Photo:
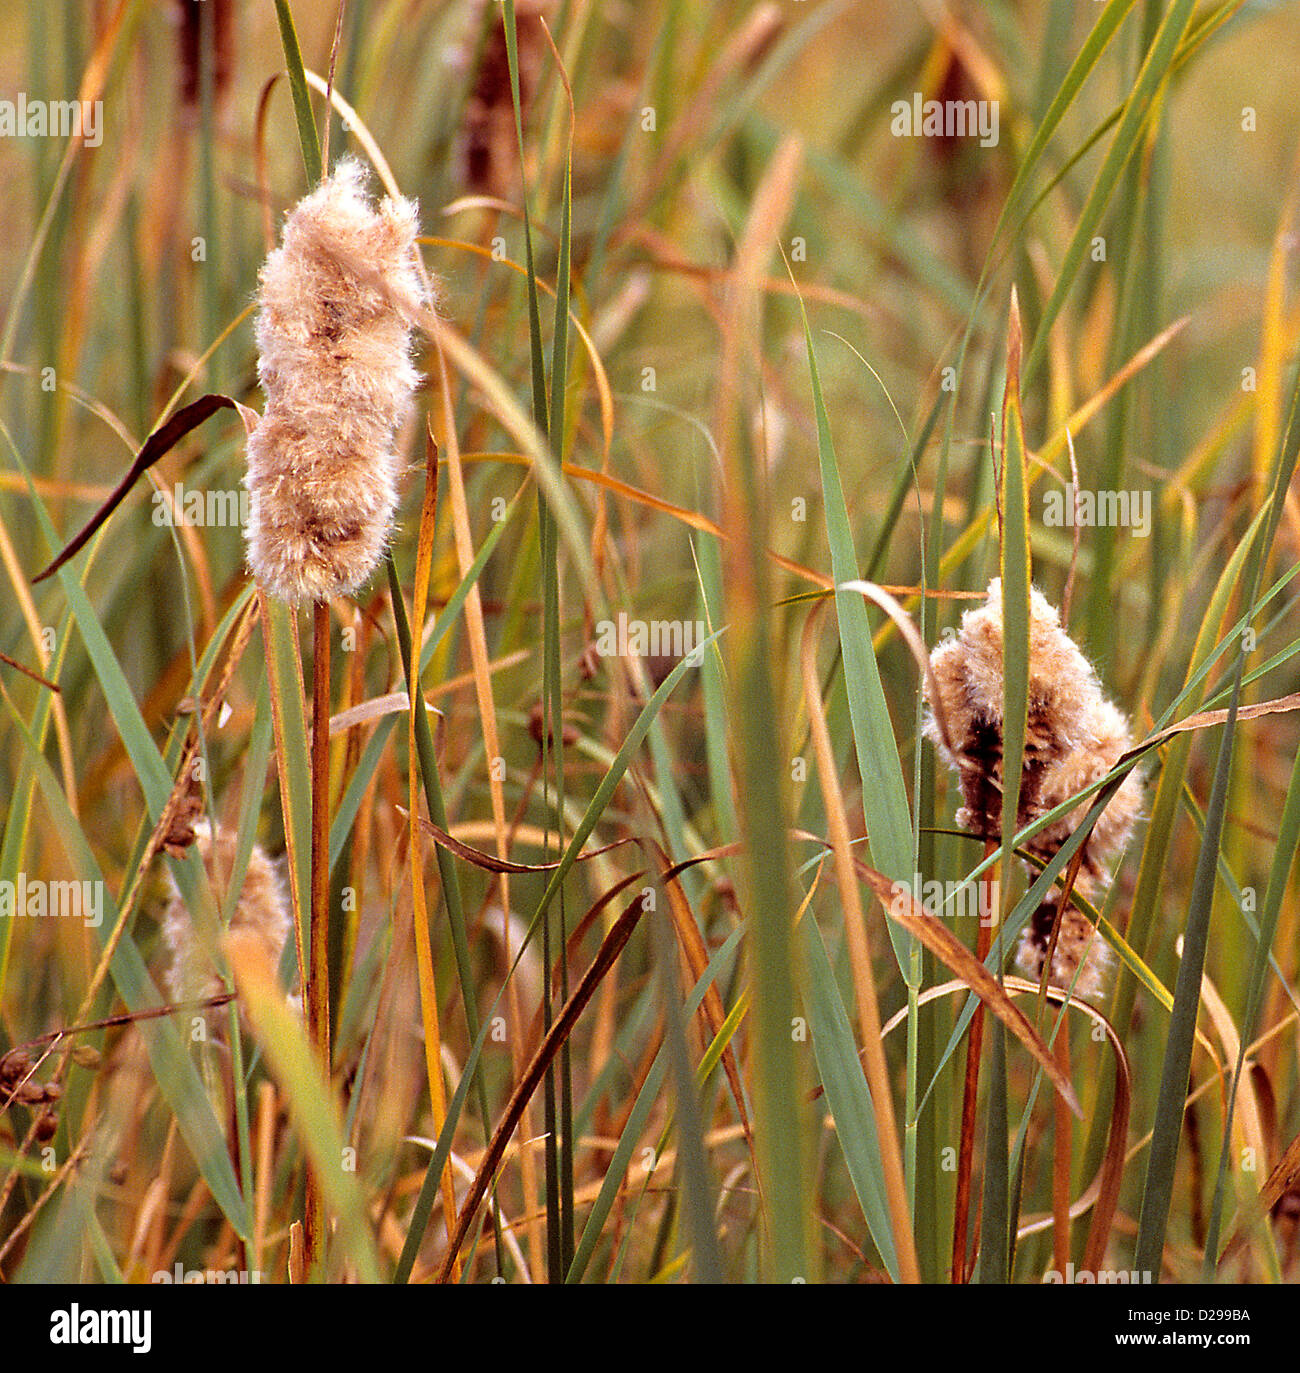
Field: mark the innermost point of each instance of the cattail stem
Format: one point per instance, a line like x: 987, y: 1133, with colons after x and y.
x: 1063, y: 1133
x: 317, y: 978
x: 970, y: 1094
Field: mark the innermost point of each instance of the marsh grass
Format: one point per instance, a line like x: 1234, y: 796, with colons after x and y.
x: 615, y: 989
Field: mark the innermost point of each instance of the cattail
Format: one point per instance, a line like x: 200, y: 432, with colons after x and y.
x: 334, y: 342
x: 968, y: 673
x: 191, y: 14
x: 488, y: 146
x: 1074, y: 737
x: 261, y: 915
x: 1106, y: 737
x: 1082, y: 960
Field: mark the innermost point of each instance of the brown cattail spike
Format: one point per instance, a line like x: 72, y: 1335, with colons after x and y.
x: 334, y: 339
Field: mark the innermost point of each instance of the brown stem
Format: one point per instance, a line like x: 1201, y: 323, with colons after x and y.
x: 318, y: 986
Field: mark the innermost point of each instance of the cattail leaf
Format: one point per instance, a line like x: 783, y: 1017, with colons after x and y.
x: 427, y: 763
x: 1016, y: 581
x: 1284, y: 857
x: 18, y: 819
x: 995, y: 1213
x: 901, y: 906
x: 884, y: 793
x: 609, y: 783
x: 310, y: 1101
x: 442, y: 1146
x: 700, y: 1193
x: 416, y: 717
x: 1139, y: 109
x: 55, y: 1253
x: 429, y: 1188
x: 1245, y: 1125
x: 559, y: 1226
x: 694, y: 950
x: 363, y: 774
x: 161, y: 441
x: 1098, y: 39
x: 633, y: 1131
x: 708, y: 562
x: 1199, y: 31
x: 847, y: 1096
x: 155, y: 781
x: 1157, y: 1192
x: 698, y: 1206
x: 611, y: 947
x: 292, y: 752
x: 553, y: 749
x: 875, y: 1065
x: 1111, y: 1175
x: 308, y: 139
x: 965, y: 543
x: 997, y: 1223
x: 1158, y: 840
x: 151, y: 771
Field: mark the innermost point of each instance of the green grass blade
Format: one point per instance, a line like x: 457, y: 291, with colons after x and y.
x: 1138, y: 110
x: 847, y: 1094
x: 633, y: 1131
x: 884, y: 793
x: 1284, y: 857
x: 427, y: 761
x: 313, y: 1111
x: 1157, y: 1191
x: 997, y: 1220
x: 308, y: 139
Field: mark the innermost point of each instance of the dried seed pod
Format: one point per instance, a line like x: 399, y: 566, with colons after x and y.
x: 86, y: 1056
x: 52, y: 1092
x: 15, y: 1064
x: 568, y: 732
x: 47, y: 1126
x: 334, y: 360
x: 188, y: 811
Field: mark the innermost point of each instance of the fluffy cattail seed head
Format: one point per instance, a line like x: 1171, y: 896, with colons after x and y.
x: 968, y: 675
x: 1104, y: 738
x: 1068, y: 722
x: 1080, y: 951
x: 260, y: 914
x: 1074, y: 737
x: 334, y: 340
